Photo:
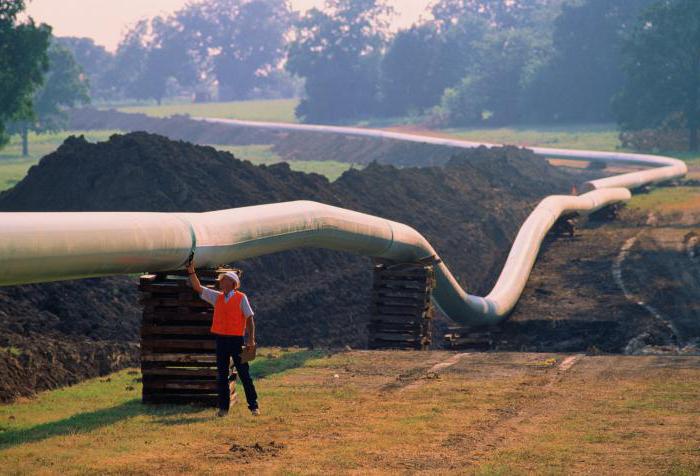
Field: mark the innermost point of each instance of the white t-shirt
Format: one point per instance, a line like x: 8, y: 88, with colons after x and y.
x: 211, y: 295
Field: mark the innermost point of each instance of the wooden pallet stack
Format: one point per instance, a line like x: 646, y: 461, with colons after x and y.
x: 178, y: 360
x: 467, y: 338
x: 402, y: 311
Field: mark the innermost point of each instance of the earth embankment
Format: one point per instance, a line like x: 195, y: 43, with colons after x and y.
x: 470, y: 210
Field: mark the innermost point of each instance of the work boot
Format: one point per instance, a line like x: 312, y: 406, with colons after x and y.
x: 222, y: 413
x: 255, y: 411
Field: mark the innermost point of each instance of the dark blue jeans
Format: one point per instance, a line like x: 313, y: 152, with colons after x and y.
x: 229, y: 347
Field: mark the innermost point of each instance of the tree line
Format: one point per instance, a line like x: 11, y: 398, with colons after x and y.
x: 471, y: 63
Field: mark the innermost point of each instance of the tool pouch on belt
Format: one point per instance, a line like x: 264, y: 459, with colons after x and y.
x: 247, y: 355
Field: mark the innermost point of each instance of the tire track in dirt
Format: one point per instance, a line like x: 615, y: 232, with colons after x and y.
x: 617, y: 272
x: 617, y: 275
x: 434, y: 371
x: 658, y: 272
x: 494, y: 434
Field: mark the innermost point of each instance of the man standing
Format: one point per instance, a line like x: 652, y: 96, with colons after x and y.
x: 232, y: 316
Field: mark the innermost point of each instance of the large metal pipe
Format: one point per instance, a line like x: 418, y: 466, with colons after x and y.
x: 665, y: 168
x: 39, y: 247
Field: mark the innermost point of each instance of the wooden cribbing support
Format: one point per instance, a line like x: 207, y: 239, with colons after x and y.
x: 468, y: 338
x: 178, y: 360
x: 402, y: 311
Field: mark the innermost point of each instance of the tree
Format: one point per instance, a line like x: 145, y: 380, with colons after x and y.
x: 338, y: 52
x: 129, y: 62
x: 492, y: 50
x: 239, y: 42
x: 64, y: 87
x: 492, y: 91
x: 408, y: 80
x: 662, y: 62
x: 498, y: 14
x: 584, y: 73
x: 168, y: 57
x: 151, y: 55
x: 94, y: 60
x: 423, y: 61
x: 23, y: 61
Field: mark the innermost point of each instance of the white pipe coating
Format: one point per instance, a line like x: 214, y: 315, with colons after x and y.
x: 40, y: 247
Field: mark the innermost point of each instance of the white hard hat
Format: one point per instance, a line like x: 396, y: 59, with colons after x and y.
x: 232, y: 275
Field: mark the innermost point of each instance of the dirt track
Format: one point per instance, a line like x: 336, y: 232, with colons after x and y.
x: 574, y: 302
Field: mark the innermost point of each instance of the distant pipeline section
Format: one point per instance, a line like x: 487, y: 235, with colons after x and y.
x: 52, y: 246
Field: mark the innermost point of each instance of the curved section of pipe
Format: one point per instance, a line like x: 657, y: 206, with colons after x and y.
x: 665, y: 168
x: 39, y: 247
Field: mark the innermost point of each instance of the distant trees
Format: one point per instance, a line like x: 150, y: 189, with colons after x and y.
x: 662, y: 66
x: 94, y: 60
x: 153, y: 55
x: 474, y: 62
x: 233, y: 46
x: 496, y: 49
x: 64, y: 87
x: 585, y: 72
x: 492, y: 91
x: 424, y: 60
x: 483, y: 62
x: 338, y: 52
x: 239, y: 42
x: 23, y: 61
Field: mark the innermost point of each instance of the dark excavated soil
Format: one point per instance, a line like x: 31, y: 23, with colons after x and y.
x: 470, y: 210
x: 573, y: 302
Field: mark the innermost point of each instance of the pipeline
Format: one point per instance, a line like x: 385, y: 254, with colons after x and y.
x: 51, y: 246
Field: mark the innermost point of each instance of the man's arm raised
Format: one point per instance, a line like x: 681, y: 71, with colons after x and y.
x: 194, y: 280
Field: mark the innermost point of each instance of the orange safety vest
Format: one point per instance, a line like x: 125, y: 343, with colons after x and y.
x: 228, y: 316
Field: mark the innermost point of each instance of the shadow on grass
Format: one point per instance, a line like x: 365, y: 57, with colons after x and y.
x: 265, y: 367
x: 169, y: 414
x: 88, y: 421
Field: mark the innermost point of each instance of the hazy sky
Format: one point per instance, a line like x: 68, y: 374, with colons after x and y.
x: 106, y: 20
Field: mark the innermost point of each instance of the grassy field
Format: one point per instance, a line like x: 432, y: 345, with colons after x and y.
x: 264, y: 155
x: 276, y: 110
x: 380, y: 412
x: 598, y: 137
x: 667, y: 199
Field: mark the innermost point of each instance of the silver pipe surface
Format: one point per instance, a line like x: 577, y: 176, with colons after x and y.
x: 40, y: 247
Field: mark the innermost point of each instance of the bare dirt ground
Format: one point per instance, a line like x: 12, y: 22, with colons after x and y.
x: 631, y: 285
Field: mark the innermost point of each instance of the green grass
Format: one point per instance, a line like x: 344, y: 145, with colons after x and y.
x: 264, y: 155
x: 13, y: 167
x: 591, y: 137
x: 257, y: 153
x: 13, y: 351
x: 666, y: 199
x: 334, y: 413
x: 279, y: 110
x: 270, y: 363
x: 111, y: 400
x: 603, y: 137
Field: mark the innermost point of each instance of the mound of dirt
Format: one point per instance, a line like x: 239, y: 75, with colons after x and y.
x: 470, y: 210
